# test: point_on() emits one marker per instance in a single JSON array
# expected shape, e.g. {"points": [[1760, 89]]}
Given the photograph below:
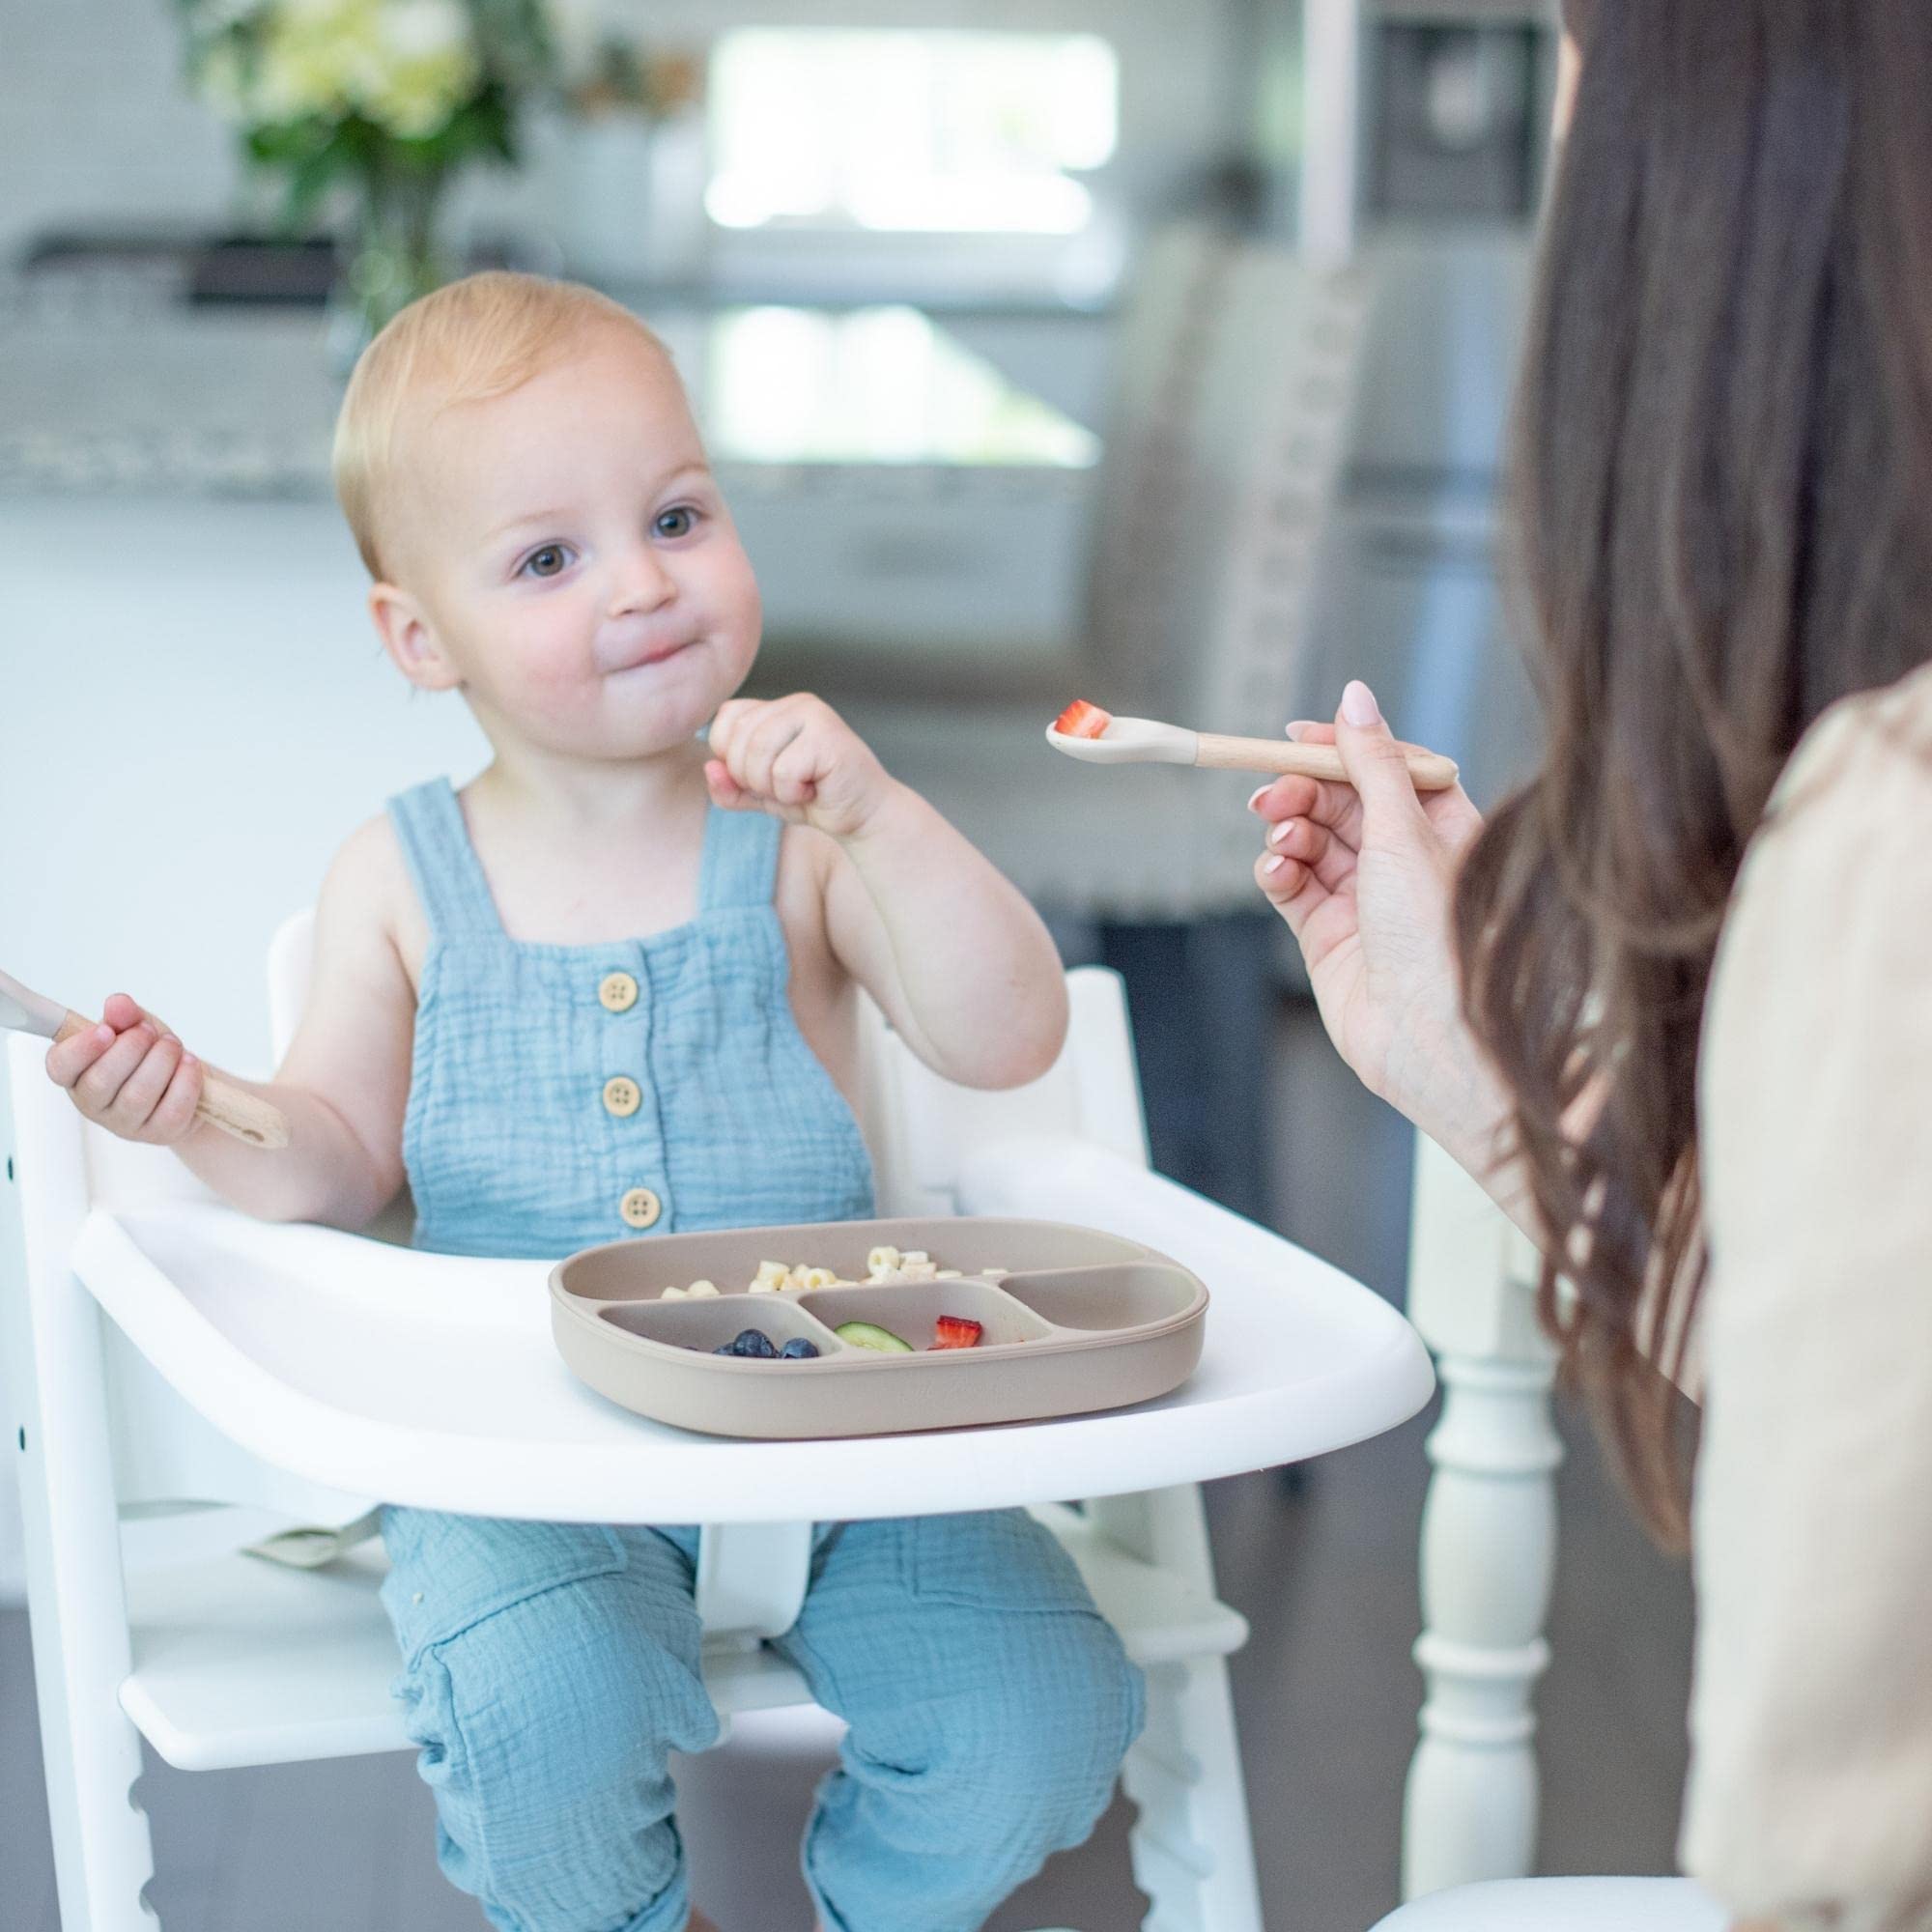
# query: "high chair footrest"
{"points": [[238, 1661]]}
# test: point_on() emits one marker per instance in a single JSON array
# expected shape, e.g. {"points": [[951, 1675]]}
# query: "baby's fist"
{"points": [[131, 1076], [797, 760]]}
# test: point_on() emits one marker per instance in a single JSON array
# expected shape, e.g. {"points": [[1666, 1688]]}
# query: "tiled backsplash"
{"points": [[95, 127]]}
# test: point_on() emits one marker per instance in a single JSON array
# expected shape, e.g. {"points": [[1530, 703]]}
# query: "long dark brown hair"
{"points": [[1721, 491]]}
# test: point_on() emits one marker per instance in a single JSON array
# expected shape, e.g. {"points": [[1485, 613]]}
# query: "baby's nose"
{"points": [[642, 583]]}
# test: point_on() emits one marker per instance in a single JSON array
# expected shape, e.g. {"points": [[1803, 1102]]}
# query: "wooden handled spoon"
{"points": [[1084, 731], [222, 1104]]}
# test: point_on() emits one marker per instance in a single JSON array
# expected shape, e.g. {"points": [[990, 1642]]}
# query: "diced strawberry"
{"points": [[1081, 720], [954, 1331]]}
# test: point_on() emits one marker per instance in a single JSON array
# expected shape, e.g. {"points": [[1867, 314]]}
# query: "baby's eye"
{"points": [[547, 562], [677, 523]]}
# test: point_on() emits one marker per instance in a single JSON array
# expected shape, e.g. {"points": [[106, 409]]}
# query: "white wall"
{"points": [[197, 715], [94, 124]]}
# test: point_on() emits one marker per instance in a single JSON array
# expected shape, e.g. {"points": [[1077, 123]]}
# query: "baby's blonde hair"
{"points": [[466, 342]]}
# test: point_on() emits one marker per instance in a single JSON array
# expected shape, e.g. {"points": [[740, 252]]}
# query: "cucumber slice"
{"points": [[868, 1335]]}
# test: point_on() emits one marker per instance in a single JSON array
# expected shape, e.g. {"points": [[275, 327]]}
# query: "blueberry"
{"points": [[798, 1350], [725, 1349], [754, 1342]]}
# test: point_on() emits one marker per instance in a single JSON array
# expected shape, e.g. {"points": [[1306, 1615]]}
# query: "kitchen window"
{"points": [[909, 132]]}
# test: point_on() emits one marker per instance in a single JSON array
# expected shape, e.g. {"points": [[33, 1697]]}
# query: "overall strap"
{"points": [[442, 863], [740, 860]]}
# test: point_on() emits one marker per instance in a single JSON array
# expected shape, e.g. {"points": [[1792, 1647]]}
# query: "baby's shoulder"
{"points": [[367, 894], [367, 865]]}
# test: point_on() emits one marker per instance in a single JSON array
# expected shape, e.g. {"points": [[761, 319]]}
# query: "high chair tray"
{"points": [[1069, 1320]]}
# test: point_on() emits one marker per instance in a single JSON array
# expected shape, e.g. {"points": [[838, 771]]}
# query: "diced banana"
{"points": [[702, 1291], [948, 1274], [994, 1274], [882, 1259], [763, 1286], [915, 1255], [773, 1272], [674, 1294]]}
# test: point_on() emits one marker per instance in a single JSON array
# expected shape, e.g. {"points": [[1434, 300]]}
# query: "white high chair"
{"points": [[188, 1379]]}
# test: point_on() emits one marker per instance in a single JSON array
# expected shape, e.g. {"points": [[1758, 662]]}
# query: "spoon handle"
{"points": [[1429, 771], [222, 1104]]}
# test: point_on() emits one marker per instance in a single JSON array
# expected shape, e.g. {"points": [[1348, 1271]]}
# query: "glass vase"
{"points": [[395, 253]]}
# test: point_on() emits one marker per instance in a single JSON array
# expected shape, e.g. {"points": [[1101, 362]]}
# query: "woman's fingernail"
{"points": [[1275, 863], [1297, 728], [1279, 835], [1260, 792], [1358, 704]]}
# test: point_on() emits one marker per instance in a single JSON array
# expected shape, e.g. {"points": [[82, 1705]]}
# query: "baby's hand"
{"points": [[797, 760], [131, 1076]]}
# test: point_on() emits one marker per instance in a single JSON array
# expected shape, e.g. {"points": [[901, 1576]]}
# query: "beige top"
{"points": [[1810, 1796]]}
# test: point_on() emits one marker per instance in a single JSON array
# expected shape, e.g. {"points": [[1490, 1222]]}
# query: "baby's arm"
{"points": [[954, 955], [343, 1086]]}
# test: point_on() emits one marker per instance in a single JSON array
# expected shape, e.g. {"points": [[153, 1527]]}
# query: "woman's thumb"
{"points": [[1377, 765]]}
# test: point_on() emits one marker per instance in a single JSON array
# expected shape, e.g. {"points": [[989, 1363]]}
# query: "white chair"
{"points": [[1563, 1905], [1488, 1563], [186, 1379], [1489, 1536]]}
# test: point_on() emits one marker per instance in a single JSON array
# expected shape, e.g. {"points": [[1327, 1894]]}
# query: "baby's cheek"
{"points": [[553, 671], [730, 591]]}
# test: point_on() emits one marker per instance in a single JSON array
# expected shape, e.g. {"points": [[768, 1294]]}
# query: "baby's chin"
{"points": [[650, 722]]}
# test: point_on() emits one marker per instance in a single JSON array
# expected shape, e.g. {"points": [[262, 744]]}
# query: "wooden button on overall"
{"points": [[640, 1207], [621, 1096], [618, 992]]}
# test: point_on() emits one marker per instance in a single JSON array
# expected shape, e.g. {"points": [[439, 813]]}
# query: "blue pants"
{"points": [[550, 1667]]}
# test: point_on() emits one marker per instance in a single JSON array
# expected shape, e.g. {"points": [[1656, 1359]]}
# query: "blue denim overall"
{"points": [[561, 1096]]}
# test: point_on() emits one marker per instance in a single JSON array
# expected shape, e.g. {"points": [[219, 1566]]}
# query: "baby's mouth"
{"points": [[656, 656]]}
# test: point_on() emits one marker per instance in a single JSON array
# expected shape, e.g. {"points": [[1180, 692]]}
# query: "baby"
{"points": [[609, 987]]}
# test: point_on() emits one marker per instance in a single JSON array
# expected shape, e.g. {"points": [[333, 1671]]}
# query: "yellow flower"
{"points": [[430, 67], [406, 63]]}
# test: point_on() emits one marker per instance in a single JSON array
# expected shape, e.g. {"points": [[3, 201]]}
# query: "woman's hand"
{"points": [[1363, 873]]}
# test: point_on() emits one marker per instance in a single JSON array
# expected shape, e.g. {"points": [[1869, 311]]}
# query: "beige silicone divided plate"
{"points": [[1084, 1320]]}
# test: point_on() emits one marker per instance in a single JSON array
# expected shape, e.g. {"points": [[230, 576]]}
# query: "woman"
{"points": [[1673, 1003]]}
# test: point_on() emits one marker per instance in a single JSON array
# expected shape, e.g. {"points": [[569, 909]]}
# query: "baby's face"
{"points": [[574, 560]]}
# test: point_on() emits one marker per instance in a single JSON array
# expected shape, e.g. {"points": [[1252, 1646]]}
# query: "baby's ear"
{"points": [[410, 640]]}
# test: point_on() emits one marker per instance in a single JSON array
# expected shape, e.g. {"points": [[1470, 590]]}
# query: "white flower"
{"points": [[408, 64], [421, 29], [429, 67]]}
